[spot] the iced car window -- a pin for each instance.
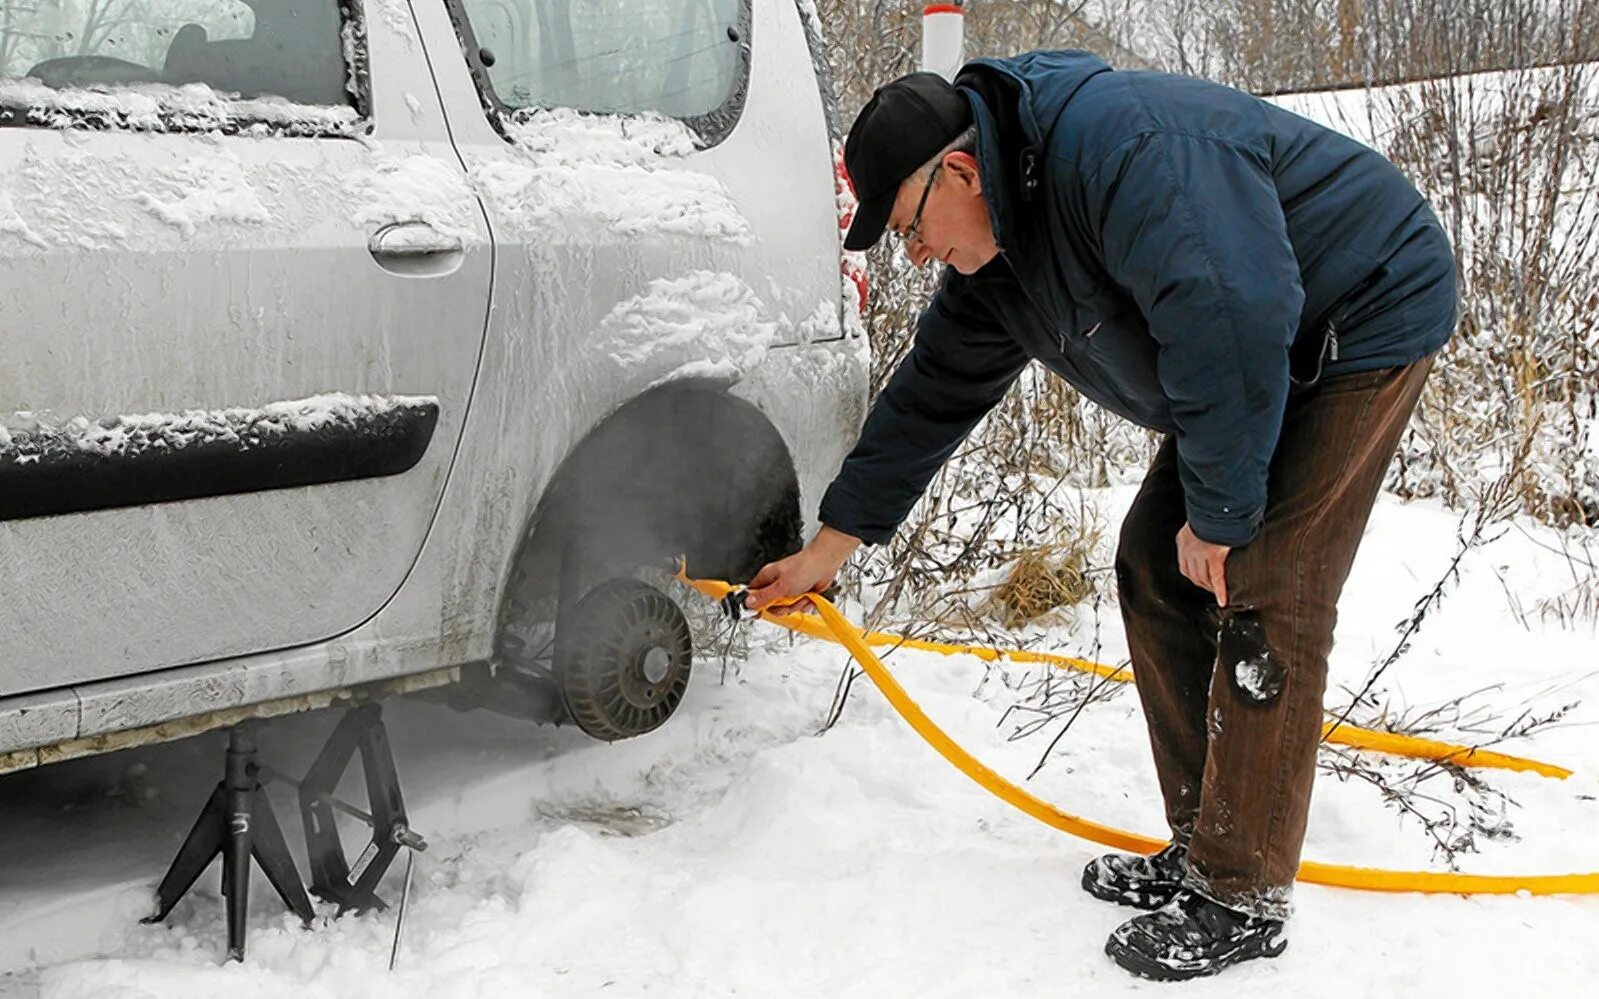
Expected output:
(253, 48)
(676, 57)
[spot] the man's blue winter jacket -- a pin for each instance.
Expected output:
(1184, 254)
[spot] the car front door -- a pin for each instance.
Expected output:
(243, 286)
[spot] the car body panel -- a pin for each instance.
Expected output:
(589, 312)
(205, 272)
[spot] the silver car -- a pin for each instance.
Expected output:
(362, 345)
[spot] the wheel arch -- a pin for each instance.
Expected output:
(685, 469)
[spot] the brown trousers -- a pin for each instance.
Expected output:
(1233, 696)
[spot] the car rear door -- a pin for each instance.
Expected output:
(243, 287)
(658, 179)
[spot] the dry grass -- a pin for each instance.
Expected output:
(1046, 577)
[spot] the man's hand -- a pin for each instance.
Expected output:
(1204, 564)
(810, 570)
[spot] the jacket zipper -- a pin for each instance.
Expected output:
(1060, 333)
(1332, 341)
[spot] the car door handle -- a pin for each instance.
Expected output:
(403, 245)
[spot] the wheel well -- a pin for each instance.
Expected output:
(686, 469)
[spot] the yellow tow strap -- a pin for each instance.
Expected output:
(831, 625)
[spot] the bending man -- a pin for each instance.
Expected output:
(1267, 293)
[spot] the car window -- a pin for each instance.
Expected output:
(683, 58)
(240, 49)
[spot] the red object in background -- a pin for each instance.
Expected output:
(852, 265)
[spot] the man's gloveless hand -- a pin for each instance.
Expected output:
(1204, 563)
(810, 570)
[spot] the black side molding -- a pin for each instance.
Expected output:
(133, 461)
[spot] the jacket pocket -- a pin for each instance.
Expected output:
(1318, 345)
(1307, 359)
(1125, 357)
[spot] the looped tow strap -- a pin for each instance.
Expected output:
(831, 625)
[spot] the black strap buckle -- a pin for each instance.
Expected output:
(734, 604)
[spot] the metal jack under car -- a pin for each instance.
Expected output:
(238, 824)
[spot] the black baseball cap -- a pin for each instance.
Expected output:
(903, 126)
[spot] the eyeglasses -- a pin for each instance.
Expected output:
(913, 231)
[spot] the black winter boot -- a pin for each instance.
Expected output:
(1192, 937)
(1141, 882)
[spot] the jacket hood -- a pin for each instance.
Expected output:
(1015, 103)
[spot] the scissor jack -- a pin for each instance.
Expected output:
(238, 823)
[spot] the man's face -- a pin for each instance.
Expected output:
(954, 226)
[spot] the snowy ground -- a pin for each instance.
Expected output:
(736, 852)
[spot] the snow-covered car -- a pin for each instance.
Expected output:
(351, 345)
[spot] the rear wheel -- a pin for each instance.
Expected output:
(622, 659)
(683, 471)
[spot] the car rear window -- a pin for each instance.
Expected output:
(682, 58)
(290, 51)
